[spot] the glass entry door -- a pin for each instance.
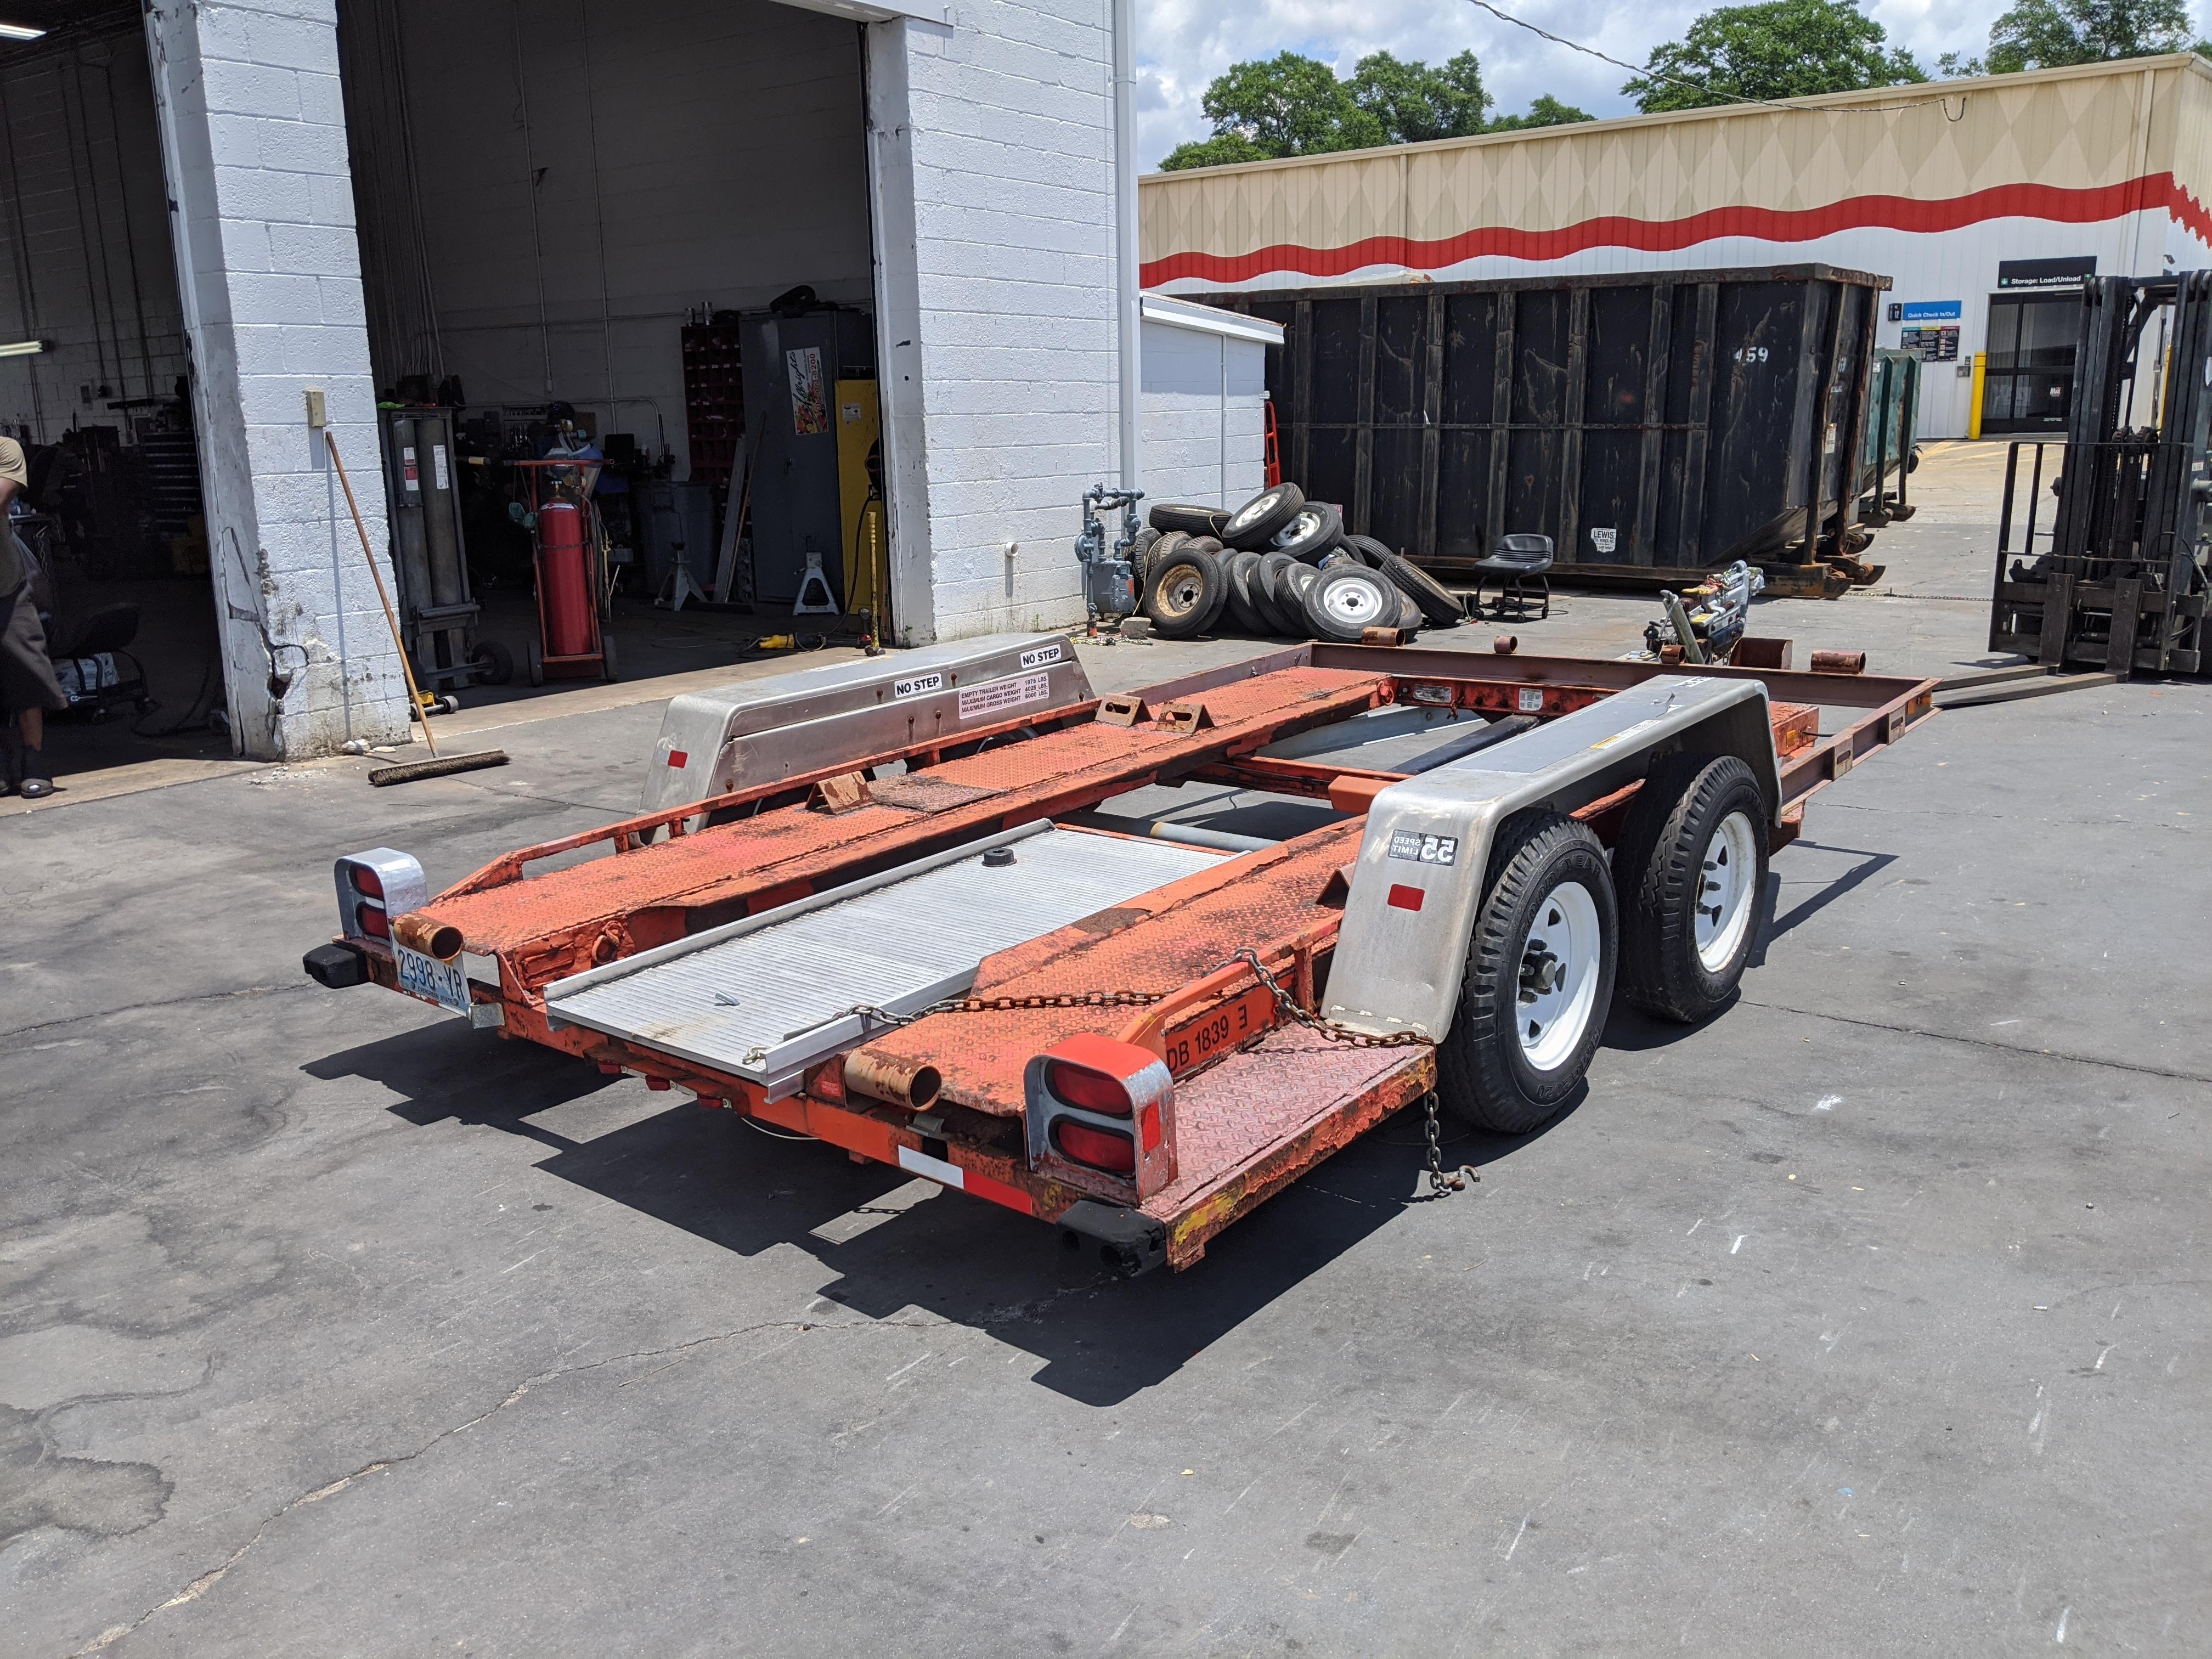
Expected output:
(2028, 385)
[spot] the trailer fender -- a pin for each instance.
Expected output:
(1411, 908)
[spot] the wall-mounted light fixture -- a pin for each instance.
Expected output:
(20, 32)
(24, 349)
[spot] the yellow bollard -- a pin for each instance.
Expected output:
(1974, 415)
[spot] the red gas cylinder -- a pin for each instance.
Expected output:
(564, 580)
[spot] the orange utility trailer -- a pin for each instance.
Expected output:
(942, 956)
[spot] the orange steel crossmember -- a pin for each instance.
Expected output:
(1258, 1099)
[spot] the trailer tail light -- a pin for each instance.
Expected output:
(375, 886)
(1097, 1107)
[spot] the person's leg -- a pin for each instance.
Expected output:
(32, 723)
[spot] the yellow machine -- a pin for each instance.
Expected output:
(867, 571)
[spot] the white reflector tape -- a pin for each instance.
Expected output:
(936, 1169)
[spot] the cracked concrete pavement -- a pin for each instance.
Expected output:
(1868, 1315)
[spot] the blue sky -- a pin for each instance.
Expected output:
(1184, 44)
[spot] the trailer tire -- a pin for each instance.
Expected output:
(1443, 608)
(1283, 614)
(1191, 519)
(1253, 526)
(1369, 549)
(1243, 609)
(1696, 831)
(1546, 931)
(1209, 544)
(1182, 588)
(1346, 600)
(1292, 583)
(1313, 530)
(537, 664)
(1140, 547)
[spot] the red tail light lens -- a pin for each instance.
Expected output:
(1101, 1149)
(366, 880)
(1089, 1092)
(373, 920)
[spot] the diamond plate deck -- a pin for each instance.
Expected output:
(553, 920)
(761, 998)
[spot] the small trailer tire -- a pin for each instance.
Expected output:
(1691, 864)
(1253, 526)
(1183, 588)
(1538, 979)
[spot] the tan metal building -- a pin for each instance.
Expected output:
(1986, 200)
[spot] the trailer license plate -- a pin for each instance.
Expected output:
(441, 982)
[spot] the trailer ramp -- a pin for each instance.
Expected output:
(766, 997)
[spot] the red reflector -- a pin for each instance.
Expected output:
(1148, 1125)
(371, 920)
(1403, 897)
(656, 1082)
(1092, 1091)
(1101, 1149)
(678, 759)
(365, 880)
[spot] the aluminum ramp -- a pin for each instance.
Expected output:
(766, 997)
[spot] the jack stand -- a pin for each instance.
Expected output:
(678, 586)
(815, 598)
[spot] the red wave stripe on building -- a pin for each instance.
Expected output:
(2052, 202)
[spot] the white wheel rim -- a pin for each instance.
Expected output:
(1556, 988)
(1357, 605)
(1724, 895)
(1252, 512)
(1304, 525)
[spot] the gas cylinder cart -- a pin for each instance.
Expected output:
(897, 922)
(564, 538)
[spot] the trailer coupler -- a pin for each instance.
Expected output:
(1129, 1241)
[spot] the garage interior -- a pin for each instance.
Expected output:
(578, 227)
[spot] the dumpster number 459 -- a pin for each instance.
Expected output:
(1750, 354)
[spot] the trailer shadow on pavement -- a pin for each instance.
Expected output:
(710, 1173)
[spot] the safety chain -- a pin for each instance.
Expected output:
(1287, 1006)
(1440, 1184)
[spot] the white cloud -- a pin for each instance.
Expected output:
(1182, 44)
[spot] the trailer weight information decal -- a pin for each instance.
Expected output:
(1041, 656)
(1009, 693)
(917, 686)
(1418, 849)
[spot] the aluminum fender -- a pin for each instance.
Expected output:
(1418, 883)
(758, 731)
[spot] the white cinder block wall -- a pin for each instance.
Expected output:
(992, 142)
(253, 141)
(1205, 399)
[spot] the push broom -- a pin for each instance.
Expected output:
(437, 766)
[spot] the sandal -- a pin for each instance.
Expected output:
(30, 784)
(35, 788)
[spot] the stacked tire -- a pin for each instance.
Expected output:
(1279, 566)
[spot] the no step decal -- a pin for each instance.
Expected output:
(1042, 655)
(917, 686)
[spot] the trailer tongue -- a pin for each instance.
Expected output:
(926, 953)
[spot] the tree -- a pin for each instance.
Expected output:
(1543, 111)
(2047, 33)
(1412, 102)
(1289, 104)
(1778, 49)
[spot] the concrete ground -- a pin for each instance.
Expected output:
(1866, 1317)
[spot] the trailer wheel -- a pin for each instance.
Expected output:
(1279, 606)
(1208, 544)
(1140, 547)
(1443, 608)
(1252, 525)
(537, 664)
(1190, 519)
(1539, 978)
(1182, 590)
(1690, 863)
(1346, 601)
(1243, 609)
(1312, 530)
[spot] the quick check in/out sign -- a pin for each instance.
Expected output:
(1931, 311)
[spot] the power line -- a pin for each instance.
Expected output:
(1943, 98)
